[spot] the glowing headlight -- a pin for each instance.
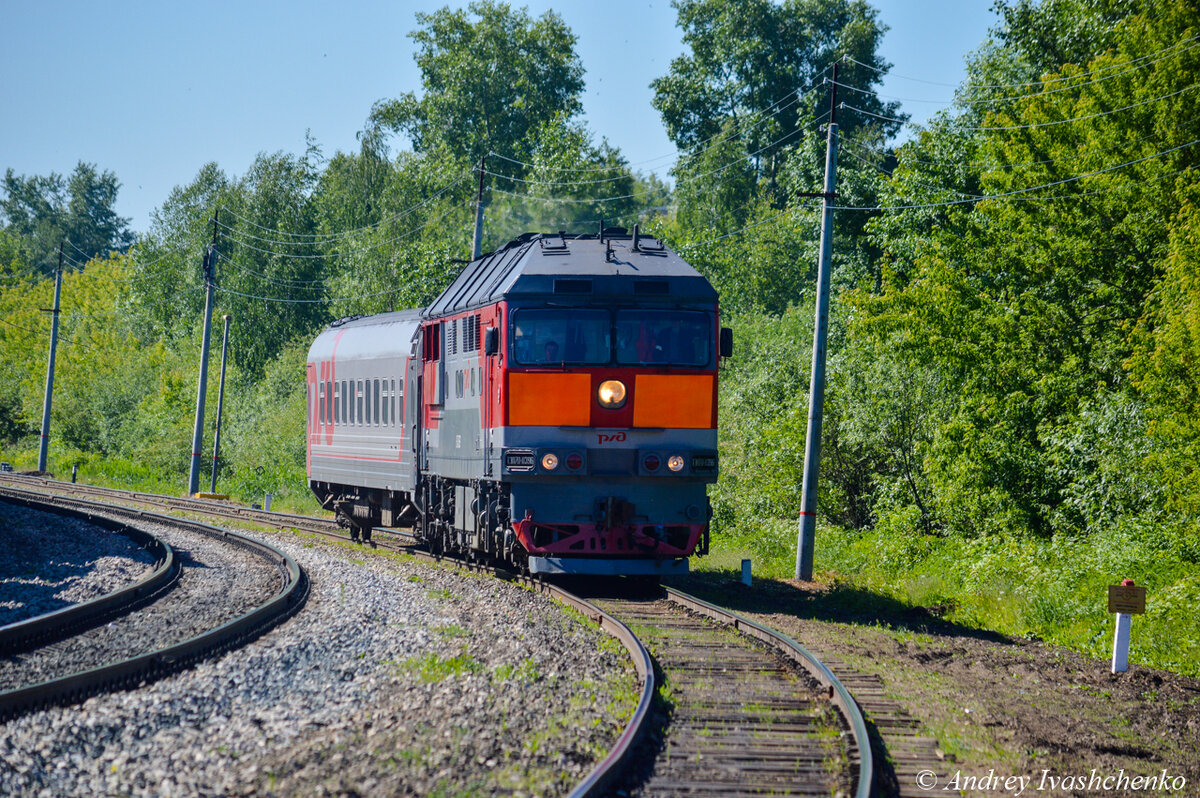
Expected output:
(611, 394)
(675, 462)
(549, 461)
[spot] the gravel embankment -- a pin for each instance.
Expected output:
(48, 562)
(396, 678)
(218, 582)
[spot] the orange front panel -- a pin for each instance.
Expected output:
(670, 401)
(549, 400)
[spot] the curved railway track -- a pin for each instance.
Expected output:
(760, 730)
(750, 709)
(127, 671)
(50, 627)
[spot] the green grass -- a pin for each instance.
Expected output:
(1054, 589)
(111, 471)
(432, 668)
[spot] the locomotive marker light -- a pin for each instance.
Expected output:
(1126, 600)
(549, 461)
(612, 394)
(675, 462)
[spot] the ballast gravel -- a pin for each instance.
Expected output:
(49, 561)
(398, 678)
(218, 582)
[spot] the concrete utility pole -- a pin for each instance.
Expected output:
(210, 270)
(220, 404)
(44, 447)
(477, 250)
(816, 391)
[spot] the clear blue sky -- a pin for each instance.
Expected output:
(154, 90)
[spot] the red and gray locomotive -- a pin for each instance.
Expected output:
(554, 408)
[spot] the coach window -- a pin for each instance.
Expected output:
(320, 403)
(328, 402)
(337, 404)
(396, 402)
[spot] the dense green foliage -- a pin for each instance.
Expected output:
(41, 212)
(489, 83)
(1013, 412)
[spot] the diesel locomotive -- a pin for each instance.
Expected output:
(555, 408)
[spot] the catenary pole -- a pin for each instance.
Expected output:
(220, 404)
(210, 268)
(44, 446)
(477, 249)
(816, 391)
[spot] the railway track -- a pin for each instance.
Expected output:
(50, 627)
(751, 712)
(759, 716)
(37, 672)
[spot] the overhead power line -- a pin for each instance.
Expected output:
(1194, 44)
(378, 245)
(1033, 125)
(316, 238)
(791, 98)
(1029, 84)
(1019, 191)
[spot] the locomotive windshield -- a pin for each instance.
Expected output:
(676, 337)
(561, 336)
(650, 336)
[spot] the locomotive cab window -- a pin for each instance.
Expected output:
(543, 337)
(672, 337)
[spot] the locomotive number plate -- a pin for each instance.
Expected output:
(518, 460)
(704, 463)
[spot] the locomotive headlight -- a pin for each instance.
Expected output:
(549, 461)
(675, 462)
(611, 394)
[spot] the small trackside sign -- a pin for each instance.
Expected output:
(1127, 599)
(518, 460)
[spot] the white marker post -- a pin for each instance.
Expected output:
(1126, 600)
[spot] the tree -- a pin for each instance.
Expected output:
(489, 82)
(749, 56)
(1023, 306)
(46, 210)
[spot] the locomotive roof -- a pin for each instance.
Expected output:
(567, 267)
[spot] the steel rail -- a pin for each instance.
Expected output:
(838, 693)
(606, 772)
(58, 624)
(603, 775)
(210, 507)
(156, 664)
